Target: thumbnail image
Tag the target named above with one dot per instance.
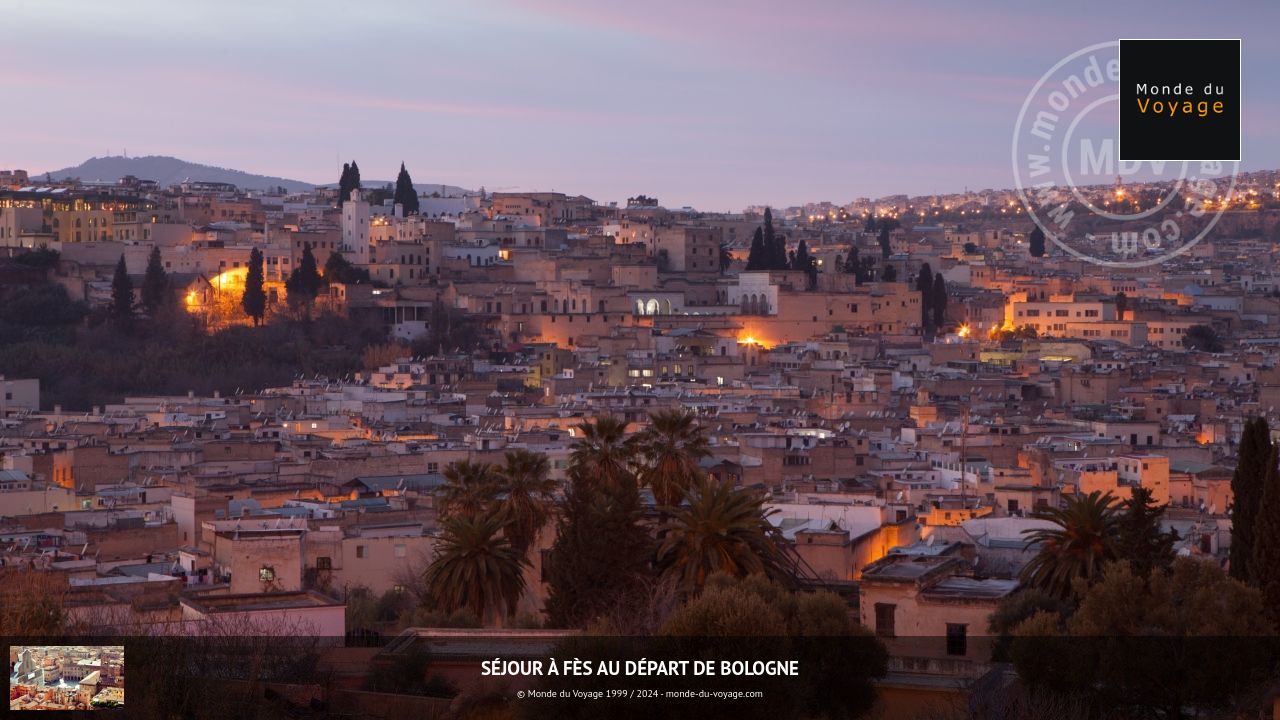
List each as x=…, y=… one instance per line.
x=66, y=677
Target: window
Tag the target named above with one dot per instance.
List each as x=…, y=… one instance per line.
x=360, y=551
x=324, y=563
x=267, y=574
x=957, y=639
x=884, y=619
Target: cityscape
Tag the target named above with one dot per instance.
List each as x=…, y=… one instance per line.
x=649, y=391
x=66, y=678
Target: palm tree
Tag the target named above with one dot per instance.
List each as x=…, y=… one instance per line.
x=526, y=495
x=671, y=447
x=1083, y=541
x=602, y=454
x=720, y=529
x=476, y=566
x=469, y=488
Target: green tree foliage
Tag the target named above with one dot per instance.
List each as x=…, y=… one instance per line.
x=39, y=257
x=1183, y=639
x=469, y=488
x=814, y=628
x=156, y=292
x=720, y=529
x=254, y=299
x=970, y=249
x=1083, y=541
x=337, y=269
x=1246, y=488
x=938, y=300
x=121, y=307
x=476, y=567
x=1265, y=567
x=349, y=181
x=1035, y=242
x=1140, y=539
x=304, y=283
x=526, y=495
x=885, y=248
x=768, y=249
x=671, y=447
x=602, y=555
x=1203, y=338
x=924, y=285
x=602, y=455
x=756, y=258
x=406, y=196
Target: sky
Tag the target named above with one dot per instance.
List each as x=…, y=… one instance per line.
x=716, y=104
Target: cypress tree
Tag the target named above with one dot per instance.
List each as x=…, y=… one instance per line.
x=939, y=300
x=889, y=274
x=601, y=555
x=924, y=285
x=155, y=284
x=1246, y=488
x=344, y=183
x=405, y=195
x=1265, y=565
x=254, y=300
x=775, y=248
x=756, y=259
x=1036, y=242
x=355, y=177
x=304, y=282
x=885, y=249
x=121, y=307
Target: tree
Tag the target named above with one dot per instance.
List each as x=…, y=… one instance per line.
x=155, y=284
x=1266, y=541
x=726, y=258
x=721, y=529
x=938, y=299
x=304, y=283
x=469, y=488
x=406, y=196
x=121, y=307
x=885, y=248
x=602, y=555
x=970, y=249
x=1083, y=541
x=1140, y=540
x=1246, y=489
x=924, y=285
x=1122, y=302
x=526, y=495
x=1203, y=338
x=671, y=448
x=602, y=455
x=889, y=274
x=476, y=567
x=1035, y=242
x=756, y=258
x=775, y=246
x=254, y=300
x=349, y=181
x=337, y=269
x=1190, y=637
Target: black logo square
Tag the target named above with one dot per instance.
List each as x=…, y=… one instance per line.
x=1180, y=100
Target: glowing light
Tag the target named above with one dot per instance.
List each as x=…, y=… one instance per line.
x=964, y=331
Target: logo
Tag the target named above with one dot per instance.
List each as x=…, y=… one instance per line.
x=1079, y=192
